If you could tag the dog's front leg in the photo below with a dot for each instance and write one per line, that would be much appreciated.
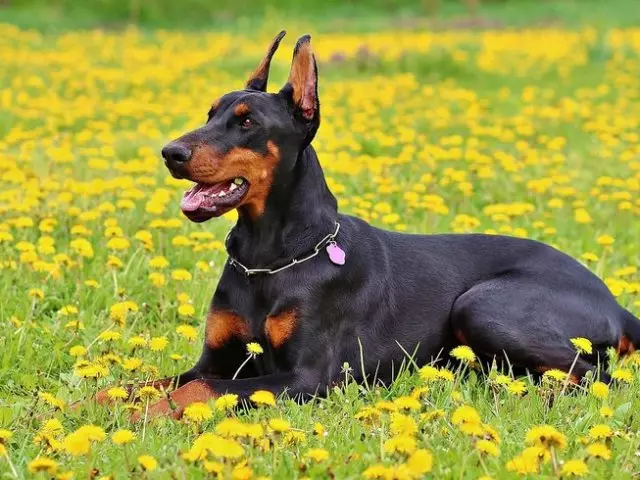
(163, 384)
(296, 384)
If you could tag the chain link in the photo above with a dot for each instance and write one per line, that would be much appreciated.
(269, 271)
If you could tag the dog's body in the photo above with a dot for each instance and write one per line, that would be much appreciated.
(507, 298)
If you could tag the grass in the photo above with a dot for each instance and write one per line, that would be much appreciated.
(327, 16)
(529, 133)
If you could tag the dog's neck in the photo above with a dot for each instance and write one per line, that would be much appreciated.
(299, 212)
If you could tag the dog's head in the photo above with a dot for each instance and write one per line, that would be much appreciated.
(250, 137)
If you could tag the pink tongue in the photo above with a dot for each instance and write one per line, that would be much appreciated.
(197, 196)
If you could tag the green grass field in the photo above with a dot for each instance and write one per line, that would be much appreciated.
(528, 131)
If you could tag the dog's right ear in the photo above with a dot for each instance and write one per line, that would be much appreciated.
(302, 86)
(258, 80)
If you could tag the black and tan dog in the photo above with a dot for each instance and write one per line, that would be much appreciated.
(317, 288)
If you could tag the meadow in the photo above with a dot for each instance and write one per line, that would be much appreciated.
(530, 132)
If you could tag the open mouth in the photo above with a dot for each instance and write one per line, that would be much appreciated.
(205, 200)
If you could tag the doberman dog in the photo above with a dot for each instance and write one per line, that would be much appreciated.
(317, 288)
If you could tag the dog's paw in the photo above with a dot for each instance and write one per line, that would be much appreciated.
(176, 401)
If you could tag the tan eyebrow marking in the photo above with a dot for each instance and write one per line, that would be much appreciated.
(241, 109)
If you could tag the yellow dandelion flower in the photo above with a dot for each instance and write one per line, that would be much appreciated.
(221, 447)
(263, 397)
(279, 425)
(428, 373)
(158, 262)
(43, 464)
(386, 406)
(600, 432)
(148, 393)
(181, 275)
(378, 471)
(51, 400)
(114, 262)
(605, 240)
(600, 390)
(118, 243)
(546, 436)
(91, 432)
(419, 392)
(487, 448)
(527, 462)
(606, 412)
(77, 351)
(319, 430)
(157, 344)
(157, 279)
(517, 387)
(420, 463)
(574, 468)
(36, 294)
(186, 310)
(122, 437)
(76, 445)
(187, 331)
(367, 414)
(407, 403)
(198, 412)
(317, 455)
(117, 393)
(622, 375)
(465, 414)
(214, 468)
(5, 435)
(254, 349)
(583, 345)
(52, 427)
(148, 463)
(463, 353)
(446, 375)
(138, 341)
(433, 415)
(504, 380)
(402, 424)
(226, 402)
(294, 437)
(400, 444)
(231, 427)
(241, 472)
(203, 266)
(599, 450)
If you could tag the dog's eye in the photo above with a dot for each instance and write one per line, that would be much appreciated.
(246, 122)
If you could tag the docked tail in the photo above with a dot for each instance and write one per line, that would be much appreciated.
(630, 340)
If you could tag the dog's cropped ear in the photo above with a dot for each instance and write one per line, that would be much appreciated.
(302, 85)
(259, 78)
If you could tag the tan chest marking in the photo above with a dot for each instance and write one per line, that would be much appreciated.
(222, 326)
(279, 328)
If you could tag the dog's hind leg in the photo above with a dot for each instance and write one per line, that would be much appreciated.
(529, 326)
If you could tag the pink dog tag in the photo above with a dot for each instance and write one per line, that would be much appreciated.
(336, 254)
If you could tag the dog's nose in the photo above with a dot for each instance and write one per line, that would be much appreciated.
(175, 153)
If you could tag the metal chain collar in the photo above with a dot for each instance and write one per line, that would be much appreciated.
(269, 271)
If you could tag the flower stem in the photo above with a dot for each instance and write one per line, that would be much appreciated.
(144, 424)
(566, 380)
(241, 367)
(13, 469)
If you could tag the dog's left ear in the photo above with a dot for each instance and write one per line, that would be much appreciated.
(302, 85)
(258, 80)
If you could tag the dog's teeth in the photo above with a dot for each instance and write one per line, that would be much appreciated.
(233, 187)
(238, 181)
